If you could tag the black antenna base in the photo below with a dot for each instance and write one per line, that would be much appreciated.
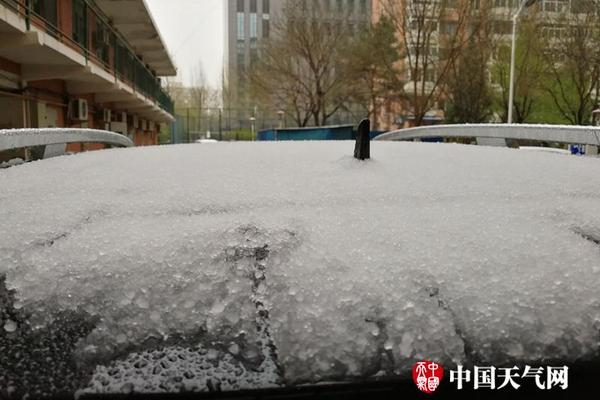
(362, 148)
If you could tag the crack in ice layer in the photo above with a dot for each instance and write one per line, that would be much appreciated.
(56, 237)
(590, 237)
(258, 256)
(216, 362)
(384, 362)
(471, 357)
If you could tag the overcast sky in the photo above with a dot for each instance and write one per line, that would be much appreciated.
(193, 32)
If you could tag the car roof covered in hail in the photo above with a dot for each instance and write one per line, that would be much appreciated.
(247, 265)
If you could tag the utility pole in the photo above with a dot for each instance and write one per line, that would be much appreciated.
(189, 137)
(281, 115)
(252, 126)
(220, 124)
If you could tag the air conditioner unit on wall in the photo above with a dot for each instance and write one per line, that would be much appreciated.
(78, 109)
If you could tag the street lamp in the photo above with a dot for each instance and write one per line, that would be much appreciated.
(281, 114)
(209, 123)
(515, 19)
(220, 124)
(187, 124)
(252, 122)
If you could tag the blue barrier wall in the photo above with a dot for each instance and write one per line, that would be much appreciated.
(341, 132)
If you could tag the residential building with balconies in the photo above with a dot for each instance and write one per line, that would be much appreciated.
(83, 63)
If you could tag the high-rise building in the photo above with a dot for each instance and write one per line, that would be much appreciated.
(248, 22)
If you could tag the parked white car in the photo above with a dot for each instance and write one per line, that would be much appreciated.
(274, 265)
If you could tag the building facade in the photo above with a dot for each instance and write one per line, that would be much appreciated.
(398, 113)
(249, 22)
(83, 63)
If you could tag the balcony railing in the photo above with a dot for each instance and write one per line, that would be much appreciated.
(92, 35)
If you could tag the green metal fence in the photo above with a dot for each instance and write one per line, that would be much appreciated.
(226, 124)
(94, 37)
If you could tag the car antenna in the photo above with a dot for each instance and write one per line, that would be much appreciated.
(362, 148)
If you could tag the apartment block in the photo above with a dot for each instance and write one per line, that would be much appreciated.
(83, 63)
(397, 113)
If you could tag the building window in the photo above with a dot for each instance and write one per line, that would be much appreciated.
(240, 54)
(340, 6)
(241, 73)
(101, 42)
(253, 7)
(555, 5)
(266, 26)
(253, 26)
(46, 9)
(449, 28)
(420, 75)
(350, 6)
(241, 26)
(241, 62)
(80, 22)
(506, 3)
(363, 6)
(553, 32)
(240, 6)
(266, 7)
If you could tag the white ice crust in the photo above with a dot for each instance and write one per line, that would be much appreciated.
(445, 252)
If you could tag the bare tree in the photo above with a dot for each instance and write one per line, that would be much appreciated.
(432, 33)
(199, 89)
(197, 95)
(193, 101)
(373, 72)
(572, 57)
(302, 66)
(468, 88)
(530, 68)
